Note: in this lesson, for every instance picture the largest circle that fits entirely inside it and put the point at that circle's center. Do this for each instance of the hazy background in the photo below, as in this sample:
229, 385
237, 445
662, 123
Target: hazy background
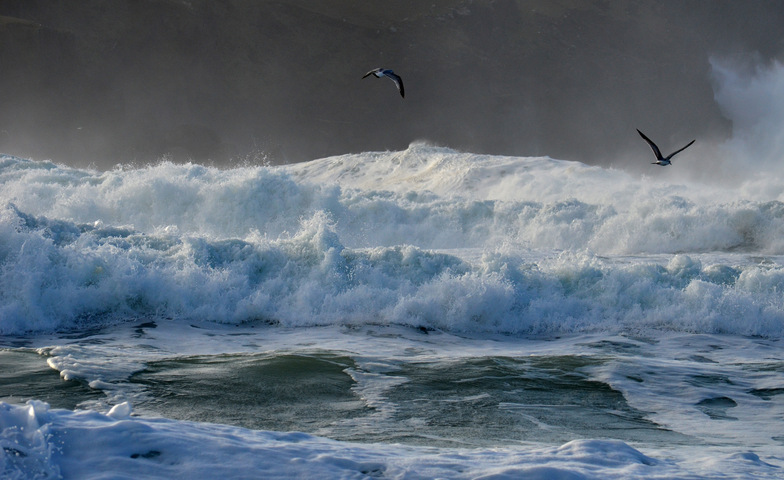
100, 82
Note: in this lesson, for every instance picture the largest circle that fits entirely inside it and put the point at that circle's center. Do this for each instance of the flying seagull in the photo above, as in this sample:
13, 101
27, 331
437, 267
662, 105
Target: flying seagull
661, 160
385, 72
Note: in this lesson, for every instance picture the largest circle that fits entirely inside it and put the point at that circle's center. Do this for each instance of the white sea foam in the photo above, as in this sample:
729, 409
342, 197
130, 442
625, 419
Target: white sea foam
39, 442
426, 237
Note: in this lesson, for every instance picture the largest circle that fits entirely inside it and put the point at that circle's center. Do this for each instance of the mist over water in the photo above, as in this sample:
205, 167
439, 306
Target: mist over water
750, 96
748, 160
102, 83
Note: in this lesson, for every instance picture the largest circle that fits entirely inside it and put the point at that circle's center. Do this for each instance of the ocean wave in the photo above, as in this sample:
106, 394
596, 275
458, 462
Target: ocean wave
58, 274
430, 197
427, 237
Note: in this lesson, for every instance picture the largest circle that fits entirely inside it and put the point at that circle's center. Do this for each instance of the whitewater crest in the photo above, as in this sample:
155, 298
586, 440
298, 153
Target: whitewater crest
427, 237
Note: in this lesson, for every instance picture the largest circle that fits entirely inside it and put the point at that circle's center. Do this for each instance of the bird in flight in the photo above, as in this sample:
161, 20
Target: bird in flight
660, 159
385, 72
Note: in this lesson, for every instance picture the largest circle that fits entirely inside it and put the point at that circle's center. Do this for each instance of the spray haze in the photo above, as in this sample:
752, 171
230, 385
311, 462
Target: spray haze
752, 98
114, 82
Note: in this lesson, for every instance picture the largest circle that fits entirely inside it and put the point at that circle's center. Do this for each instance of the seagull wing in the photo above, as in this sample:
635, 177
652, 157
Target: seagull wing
655, 149
398, 81
371, 72
682, 149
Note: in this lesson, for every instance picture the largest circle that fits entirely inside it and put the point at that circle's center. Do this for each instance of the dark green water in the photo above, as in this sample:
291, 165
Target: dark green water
285, 393
472, 401
479, 401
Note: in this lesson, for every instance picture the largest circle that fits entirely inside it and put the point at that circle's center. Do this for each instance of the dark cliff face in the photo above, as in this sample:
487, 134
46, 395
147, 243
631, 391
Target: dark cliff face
107, 81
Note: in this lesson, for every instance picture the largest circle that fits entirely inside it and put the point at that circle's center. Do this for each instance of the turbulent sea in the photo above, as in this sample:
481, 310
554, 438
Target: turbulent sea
424, 313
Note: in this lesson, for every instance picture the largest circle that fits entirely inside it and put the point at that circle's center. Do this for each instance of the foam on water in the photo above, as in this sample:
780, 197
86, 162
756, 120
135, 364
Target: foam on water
720, 416
50, 443
329, 241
